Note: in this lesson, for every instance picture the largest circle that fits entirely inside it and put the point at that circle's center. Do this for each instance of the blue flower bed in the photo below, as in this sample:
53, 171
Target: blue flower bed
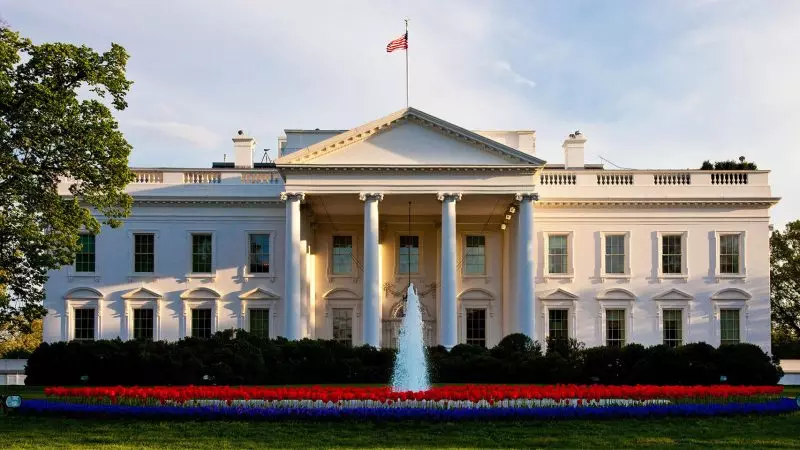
39, 407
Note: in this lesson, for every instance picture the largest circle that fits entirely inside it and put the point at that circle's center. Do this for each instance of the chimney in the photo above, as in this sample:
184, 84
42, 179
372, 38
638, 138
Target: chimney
243, 150
573, 150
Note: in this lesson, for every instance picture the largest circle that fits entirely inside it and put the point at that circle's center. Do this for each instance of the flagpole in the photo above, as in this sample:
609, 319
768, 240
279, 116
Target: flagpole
406, 63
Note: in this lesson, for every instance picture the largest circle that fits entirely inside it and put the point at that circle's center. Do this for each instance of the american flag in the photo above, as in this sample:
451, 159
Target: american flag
399, 43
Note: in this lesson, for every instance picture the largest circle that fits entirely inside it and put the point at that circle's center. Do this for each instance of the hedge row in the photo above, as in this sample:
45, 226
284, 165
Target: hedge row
237, 357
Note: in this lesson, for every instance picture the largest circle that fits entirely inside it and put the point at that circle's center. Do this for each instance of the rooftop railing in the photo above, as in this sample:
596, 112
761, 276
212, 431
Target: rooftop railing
665, 178
205, 176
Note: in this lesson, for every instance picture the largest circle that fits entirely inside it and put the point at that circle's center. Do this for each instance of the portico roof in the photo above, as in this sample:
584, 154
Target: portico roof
457, 147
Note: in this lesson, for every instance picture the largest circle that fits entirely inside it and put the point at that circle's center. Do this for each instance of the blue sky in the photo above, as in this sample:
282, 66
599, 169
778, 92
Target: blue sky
652, 84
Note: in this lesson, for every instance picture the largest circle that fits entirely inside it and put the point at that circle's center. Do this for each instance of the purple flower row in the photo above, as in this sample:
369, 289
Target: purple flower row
782, 405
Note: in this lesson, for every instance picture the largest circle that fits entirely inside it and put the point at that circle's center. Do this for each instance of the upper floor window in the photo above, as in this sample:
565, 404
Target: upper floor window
475, 255
615, 327
672, 254
729, 326
615, 254
342, 255
476, 326
143, 323
557, 254
408, 256
673, 327
729, 254
258, 254
343, 325
84, 324
85, 257
144, 253
202, 253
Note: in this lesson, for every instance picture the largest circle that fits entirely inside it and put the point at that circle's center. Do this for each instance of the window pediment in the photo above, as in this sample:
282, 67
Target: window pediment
259, 294
83, 293
475, 294
141, 293
731, 294
200, 293
617, 294
559, 294
672, 295
341, 294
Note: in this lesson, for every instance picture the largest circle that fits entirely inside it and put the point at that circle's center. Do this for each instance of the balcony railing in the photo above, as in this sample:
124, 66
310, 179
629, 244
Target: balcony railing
200, 176
663, 178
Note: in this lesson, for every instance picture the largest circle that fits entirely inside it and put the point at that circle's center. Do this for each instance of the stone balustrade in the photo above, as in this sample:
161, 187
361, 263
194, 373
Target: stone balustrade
199, 176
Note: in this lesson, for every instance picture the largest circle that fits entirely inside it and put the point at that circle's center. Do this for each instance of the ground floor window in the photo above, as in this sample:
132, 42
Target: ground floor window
343, 325
558, 330
143, 323
259, 322
673, 327
615, 327
201, 323
729, 326
84, 324
476, 326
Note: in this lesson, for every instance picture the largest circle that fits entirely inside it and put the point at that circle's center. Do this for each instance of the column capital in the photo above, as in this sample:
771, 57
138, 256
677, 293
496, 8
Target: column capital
293, 196
526, 196
364, 196
442, 196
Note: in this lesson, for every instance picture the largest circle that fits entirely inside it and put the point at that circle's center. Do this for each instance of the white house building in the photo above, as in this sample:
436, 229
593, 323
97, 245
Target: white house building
323, 242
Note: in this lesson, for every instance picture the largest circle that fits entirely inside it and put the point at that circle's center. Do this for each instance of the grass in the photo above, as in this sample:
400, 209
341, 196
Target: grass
751, 431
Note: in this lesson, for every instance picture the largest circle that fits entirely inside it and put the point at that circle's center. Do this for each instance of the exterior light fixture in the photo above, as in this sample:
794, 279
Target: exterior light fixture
508, 216
512, 210
502, 226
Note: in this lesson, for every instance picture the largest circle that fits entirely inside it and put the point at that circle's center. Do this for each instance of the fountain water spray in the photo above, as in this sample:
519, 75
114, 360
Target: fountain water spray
410, 366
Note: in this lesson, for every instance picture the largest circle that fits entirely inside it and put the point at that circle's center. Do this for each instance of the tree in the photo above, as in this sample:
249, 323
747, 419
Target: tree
785, 280
55, 126
20, 341
729, 165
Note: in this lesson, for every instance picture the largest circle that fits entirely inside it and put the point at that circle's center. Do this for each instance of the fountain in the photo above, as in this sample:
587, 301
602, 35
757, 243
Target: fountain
410, 366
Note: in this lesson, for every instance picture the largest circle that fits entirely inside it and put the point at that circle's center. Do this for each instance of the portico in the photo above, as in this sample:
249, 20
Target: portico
436, 195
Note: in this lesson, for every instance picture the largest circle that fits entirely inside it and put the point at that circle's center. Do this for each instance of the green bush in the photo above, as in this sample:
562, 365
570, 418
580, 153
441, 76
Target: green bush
237, 357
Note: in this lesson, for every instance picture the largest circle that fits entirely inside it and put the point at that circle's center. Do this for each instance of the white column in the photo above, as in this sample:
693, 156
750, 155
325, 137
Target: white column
526, 287
449, 319
292, 305
372, 270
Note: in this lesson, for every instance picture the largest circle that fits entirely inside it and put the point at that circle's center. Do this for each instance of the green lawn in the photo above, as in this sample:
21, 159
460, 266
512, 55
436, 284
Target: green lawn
751, 431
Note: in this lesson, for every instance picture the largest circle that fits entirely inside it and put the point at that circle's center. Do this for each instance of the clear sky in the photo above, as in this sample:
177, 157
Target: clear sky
652, 84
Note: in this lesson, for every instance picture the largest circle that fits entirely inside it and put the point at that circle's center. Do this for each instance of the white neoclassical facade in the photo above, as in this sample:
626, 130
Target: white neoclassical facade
323, 242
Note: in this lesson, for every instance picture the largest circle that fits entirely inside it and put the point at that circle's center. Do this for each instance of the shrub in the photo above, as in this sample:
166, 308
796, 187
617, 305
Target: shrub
240, 358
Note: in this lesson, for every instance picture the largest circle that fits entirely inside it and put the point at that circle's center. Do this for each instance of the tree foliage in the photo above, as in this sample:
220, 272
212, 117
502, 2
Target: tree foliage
729, 165
56, 125
785, 280
19, 343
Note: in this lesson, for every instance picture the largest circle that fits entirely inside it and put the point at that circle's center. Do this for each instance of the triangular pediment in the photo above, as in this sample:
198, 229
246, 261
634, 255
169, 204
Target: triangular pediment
673, 294
259, 294
409, 137
559, 294
141, 293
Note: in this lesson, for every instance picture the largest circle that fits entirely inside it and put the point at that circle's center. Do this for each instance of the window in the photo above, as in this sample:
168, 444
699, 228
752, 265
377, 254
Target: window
258, 254
673, 327
85, 258
476, 326
143, 324
729, 254
342, 255
259, 322
144, 253
201, 253
201, 323
615, 254
409, 254
475, 255
343, 325
84, 324
557, 254
615, 327
558, 325
671, 254
729, 326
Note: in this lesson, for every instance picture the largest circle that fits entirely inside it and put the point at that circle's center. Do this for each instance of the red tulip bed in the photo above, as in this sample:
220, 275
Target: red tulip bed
462, 402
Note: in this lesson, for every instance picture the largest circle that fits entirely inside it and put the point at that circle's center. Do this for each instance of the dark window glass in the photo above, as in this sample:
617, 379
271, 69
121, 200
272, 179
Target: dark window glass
342, 255
559, 328
343, 325
671, 254
673, 327
201, 253
259, 322
85, 258
143, 253
143, 324
409, 254
201, 323
476, 327
615, 327
259, 253
729, 326
84, 324
475, 255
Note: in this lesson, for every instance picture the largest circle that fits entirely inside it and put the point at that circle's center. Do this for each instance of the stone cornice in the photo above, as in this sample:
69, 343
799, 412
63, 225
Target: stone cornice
309, 168
657, 203
206, 201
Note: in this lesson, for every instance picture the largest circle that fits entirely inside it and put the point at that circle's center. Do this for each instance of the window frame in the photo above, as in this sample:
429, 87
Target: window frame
684, 274
214, 255
606, 302
464, 238
675, 299
271, 261
133, 321
353, 254
132, 235
258, 298
559, 299
682, 321
199, 297
570, 275
353, 321
72, 273
742, 274
249, 319
92, 315
626, 275
82, 297
732, 298
485, 310
211, 328
548, 318
625, 330
421, 260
